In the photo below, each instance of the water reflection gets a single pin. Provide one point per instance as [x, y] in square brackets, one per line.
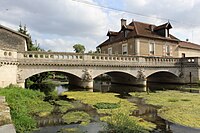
[105, 86]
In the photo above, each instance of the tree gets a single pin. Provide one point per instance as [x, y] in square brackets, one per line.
[30, 45]
[79, 48]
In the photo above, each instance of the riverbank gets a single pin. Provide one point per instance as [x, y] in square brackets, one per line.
[175, 106]
[24, 104]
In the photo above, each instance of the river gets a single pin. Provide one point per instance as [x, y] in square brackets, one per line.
[145, 111]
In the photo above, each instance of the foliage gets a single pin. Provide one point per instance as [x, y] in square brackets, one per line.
[123, 123]
[104, 105]
[23, 103]
[184, 111]
[77, 116]
[31, 46]
[79, 48]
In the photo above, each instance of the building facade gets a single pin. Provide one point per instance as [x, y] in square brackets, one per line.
[142, 39]
[10, 39]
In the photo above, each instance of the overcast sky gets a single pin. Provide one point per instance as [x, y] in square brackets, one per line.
[59, 24]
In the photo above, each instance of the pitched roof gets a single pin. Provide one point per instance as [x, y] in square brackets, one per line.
[139, 29]
[166, 25]
[13, 31]
[184, 44]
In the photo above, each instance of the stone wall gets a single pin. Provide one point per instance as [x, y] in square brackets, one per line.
[11, 40]
[6, 125]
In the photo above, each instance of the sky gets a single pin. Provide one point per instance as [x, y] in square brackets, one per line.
[57, 25]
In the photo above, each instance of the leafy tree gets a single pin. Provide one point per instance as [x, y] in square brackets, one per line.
[79, 48]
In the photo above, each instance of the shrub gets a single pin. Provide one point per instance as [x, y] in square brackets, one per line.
[103, 105]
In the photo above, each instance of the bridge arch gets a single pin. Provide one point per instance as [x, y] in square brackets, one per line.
[163, 77]
[120, 77]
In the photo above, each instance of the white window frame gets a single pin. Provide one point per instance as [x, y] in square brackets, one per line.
[124, 52]
[110, 51]
[151, 52]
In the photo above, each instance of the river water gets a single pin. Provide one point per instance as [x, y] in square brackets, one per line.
[145, 111]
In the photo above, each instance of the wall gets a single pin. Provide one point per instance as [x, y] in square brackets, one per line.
[159, 47]
[12, 40]
[143, 47]
[188, 52]
[8, 67]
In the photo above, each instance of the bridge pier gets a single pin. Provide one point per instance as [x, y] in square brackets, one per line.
[21, 84]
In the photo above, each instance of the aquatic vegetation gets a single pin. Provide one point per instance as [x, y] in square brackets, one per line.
[184, 110]
[123, 123]
[76, 117]
[64, 105]
[23, 104]
[93, 98]
[104, 105]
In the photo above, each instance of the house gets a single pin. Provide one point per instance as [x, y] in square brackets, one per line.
[188, 49]
[142, 39]
[10, 39]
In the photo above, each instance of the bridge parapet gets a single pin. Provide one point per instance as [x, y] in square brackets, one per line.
[94, 59]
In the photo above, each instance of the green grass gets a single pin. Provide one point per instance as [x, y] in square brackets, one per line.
[23, 104]
[179, 107]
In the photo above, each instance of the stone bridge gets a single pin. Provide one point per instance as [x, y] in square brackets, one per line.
[81, 69]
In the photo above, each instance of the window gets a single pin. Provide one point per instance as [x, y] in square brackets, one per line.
[124, 49]
[151, 48]
[183, 55]
[109, 51]
[167, 50]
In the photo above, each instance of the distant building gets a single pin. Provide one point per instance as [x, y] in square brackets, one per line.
[142, 39]
[10, 39]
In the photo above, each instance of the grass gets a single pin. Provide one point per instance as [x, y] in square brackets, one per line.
[179, 107]
[23, 104]
[94, 98]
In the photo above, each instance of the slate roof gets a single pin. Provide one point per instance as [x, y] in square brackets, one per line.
[184, 44]
[139, 29]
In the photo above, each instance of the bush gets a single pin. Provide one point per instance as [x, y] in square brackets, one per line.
[103, 105]
[123, 123]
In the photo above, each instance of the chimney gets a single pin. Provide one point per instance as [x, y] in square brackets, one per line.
[151, 27]
[123, 22]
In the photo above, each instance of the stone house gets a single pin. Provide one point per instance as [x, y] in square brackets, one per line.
[10, 39]
[142, 39]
